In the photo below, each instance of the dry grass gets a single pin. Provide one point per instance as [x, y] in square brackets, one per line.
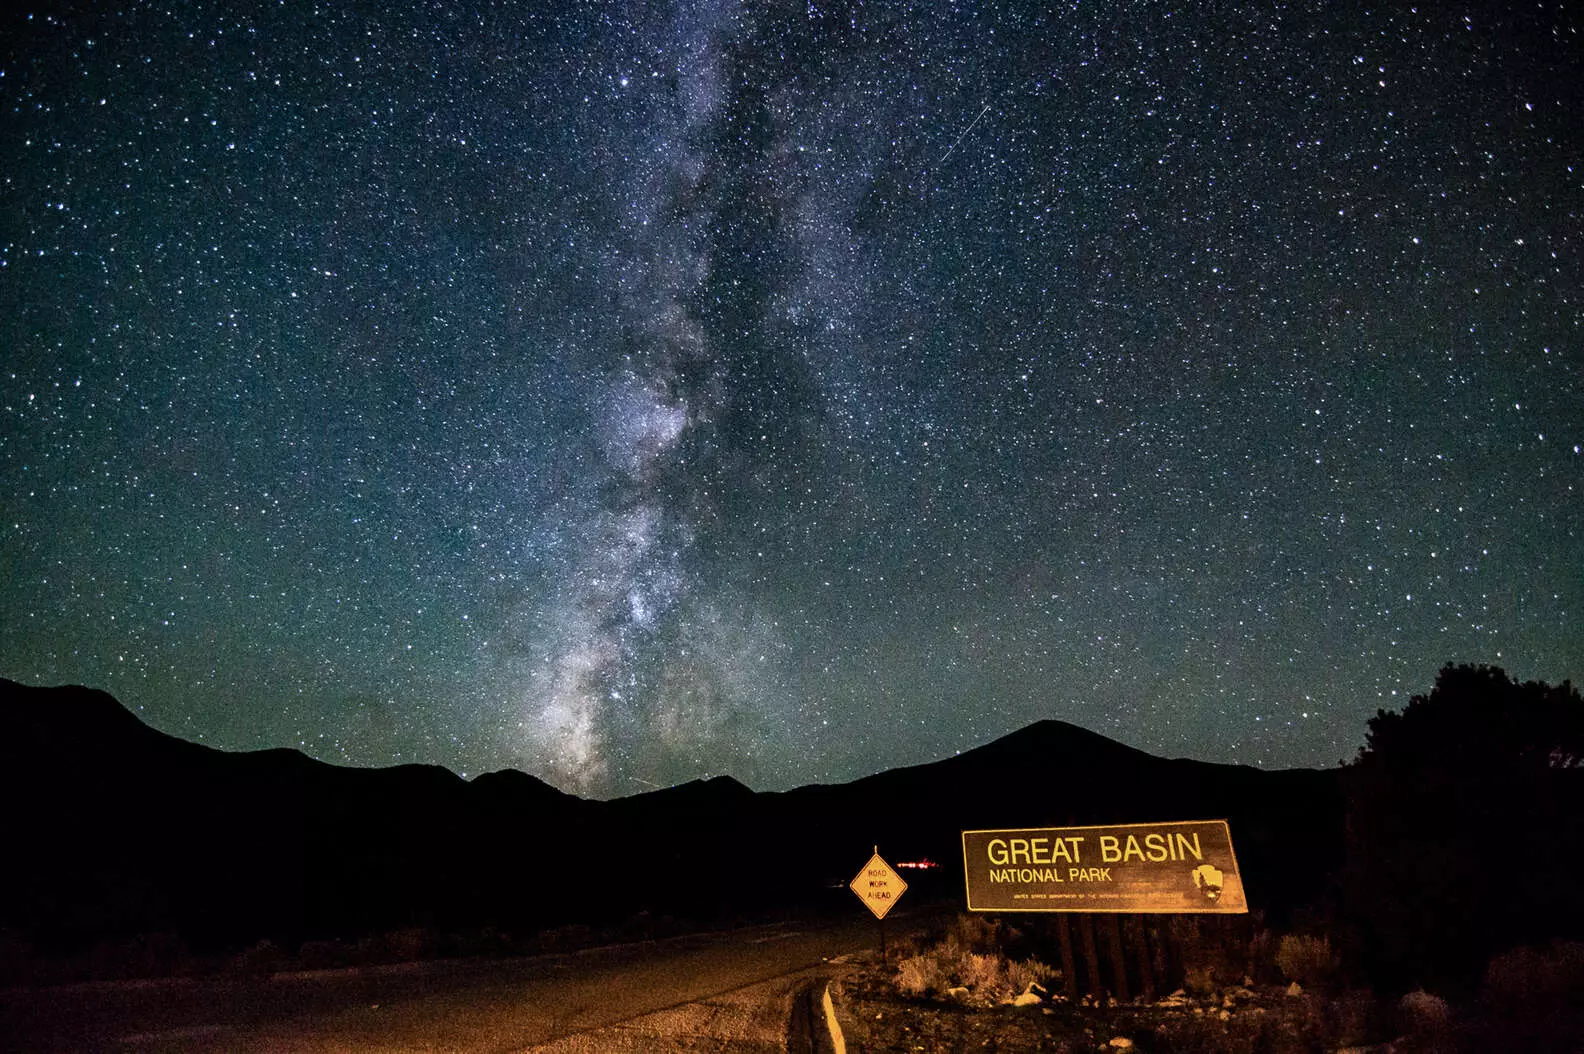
[968, 963]
[1307, 960]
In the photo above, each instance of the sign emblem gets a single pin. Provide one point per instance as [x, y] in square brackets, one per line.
[878, 886]
[1209, 880]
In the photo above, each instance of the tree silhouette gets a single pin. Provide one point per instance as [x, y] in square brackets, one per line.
[1464, 828]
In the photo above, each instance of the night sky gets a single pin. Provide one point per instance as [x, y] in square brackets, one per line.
[628, 393]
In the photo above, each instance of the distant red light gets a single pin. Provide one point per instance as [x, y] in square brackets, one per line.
[918, 865]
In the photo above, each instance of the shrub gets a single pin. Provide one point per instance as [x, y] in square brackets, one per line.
[1199, 980]
[1262, 950]
[983, 974]
[571, 937]
[1481, 752]
[1021, 974]
[1420, 1013]
[1213, 953]
[1536, 997]
[323, 955]
[1532, 999]
[920, 975]
[487, 941]
[969, 956]
[979, 932]
[262, 959]
[1307, 960]
[1353, 1017]
[1530, 979]
[411, 944]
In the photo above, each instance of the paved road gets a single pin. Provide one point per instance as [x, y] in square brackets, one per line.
[720, 992]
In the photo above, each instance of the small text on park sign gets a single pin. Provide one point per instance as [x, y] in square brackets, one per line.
[1159, 868]
[878, 886]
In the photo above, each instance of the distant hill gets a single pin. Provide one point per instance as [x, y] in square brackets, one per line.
[116, 829]
[1286, 825]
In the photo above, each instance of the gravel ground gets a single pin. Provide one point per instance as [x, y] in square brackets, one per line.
[875, 1017]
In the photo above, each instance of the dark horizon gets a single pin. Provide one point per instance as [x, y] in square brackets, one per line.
[1035, 729]
[132, 832]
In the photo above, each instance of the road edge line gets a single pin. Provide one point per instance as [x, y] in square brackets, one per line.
[838, 1042]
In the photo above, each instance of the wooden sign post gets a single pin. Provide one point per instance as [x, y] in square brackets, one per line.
[1140, 869]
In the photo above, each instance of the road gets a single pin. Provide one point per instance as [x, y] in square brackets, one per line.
[721, 992]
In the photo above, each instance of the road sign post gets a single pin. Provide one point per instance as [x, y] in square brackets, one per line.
[879, 887]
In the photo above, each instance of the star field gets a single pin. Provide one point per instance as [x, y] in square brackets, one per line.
[629, 393]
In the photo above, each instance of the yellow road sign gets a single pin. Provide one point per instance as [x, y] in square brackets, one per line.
[878, 886]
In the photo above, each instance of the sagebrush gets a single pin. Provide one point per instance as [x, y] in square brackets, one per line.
[968, 963]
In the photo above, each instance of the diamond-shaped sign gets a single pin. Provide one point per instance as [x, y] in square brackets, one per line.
[878, 886]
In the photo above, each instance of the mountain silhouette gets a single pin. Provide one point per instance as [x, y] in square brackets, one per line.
[118, 830]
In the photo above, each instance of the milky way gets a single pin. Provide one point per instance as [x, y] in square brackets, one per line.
[635, 392]
[593, 705]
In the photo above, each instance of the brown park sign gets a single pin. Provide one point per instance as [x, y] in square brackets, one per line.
[1157, 868]
[878, 886]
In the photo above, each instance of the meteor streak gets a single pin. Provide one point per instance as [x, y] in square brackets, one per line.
[964, 132]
